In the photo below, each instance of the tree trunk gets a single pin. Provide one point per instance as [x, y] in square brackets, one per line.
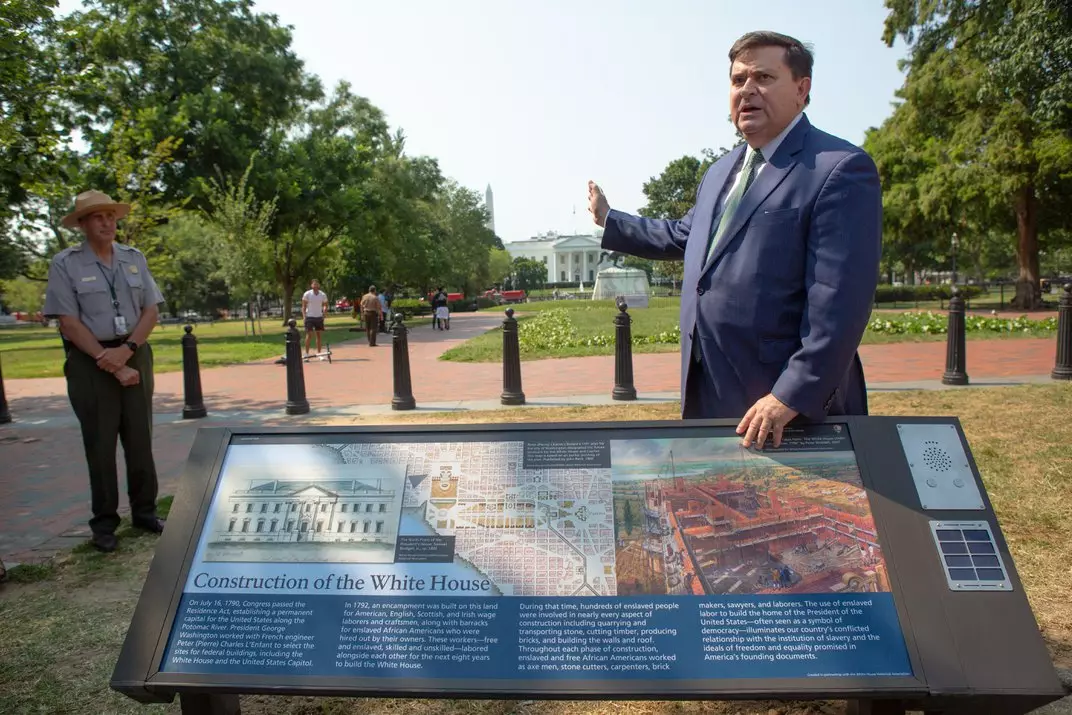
[1028, 290]
[288, 295]
[249, 315]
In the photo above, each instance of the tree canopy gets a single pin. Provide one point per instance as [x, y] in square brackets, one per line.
[980, 142]
[670, 196]
[200, 114]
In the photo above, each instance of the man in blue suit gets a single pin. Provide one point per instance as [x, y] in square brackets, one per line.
[781, 256]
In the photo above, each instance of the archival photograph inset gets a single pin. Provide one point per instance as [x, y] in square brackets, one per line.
[705, 516]
[336, 513]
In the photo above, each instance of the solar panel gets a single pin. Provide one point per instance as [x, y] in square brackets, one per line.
[970, 556]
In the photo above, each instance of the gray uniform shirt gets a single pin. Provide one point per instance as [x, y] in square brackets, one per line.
[78, 286]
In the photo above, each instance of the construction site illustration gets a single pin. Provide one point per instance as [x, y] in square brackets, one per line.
[706, 517]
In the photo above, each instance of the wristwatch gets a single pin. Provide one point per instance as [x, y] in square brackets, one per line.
[132, 345]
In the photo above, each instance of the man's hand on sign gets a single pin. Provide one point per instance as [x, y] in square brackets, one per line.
[768, 416]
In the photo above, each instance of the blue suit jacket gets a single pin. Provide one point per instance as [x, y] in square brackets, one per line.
[783, 302]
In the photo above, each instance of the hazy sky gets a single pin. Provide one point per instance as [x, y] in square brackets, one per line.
[646, 458]
[535, 98]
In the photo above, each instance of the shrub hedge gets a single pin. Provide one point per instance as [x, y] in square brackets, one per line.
[907, 294]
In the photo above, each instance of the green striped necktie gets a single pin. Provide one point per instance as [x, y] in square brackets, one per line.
[751, 168]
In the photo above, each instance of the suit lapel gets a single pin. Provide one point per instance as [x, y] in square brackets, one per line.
[709, 204]
[777, 168]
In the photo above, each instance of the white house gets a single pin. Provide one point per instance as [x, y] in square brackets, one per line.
[302, 510]
[569, 259]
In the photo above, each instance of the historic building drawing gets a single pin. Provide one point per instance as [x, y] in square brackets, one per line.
[343, 505]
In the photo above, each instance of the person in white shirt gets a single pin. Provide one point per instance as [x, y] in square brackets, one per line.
[312, 307]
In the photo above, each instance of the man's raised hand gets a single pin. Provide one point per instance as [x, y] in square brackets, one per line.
[598, 205]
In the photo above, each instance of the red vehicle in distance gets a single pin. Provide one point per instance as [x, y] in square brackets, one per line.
[506, 296]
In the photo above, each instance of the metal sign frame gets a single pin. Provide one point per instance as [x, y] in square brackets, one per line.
[940, 658]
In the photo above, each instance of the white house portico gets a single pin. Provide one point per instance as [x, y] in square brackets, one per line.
[569, 259]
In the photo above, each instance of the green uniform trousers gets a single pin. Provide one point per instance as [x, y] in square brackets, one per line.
[107, 410]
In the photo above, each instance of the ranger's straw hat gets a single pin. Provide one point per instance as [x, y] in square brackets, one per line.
[88, 202]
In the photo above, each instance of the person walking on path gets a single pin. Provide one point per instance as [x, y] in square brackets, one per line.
[370, 313]
[107, 304]
[441, 310]
[382, 297]
[313, 303]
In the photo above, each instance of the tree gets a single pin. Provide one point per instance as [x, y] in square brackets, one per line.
[650, 267]
[671, 194]
[243, 223]
[35, 231]
[628, 518]
[989, 94]
[28, 131]
[397, 238]
[500, 264]
[529, 273]
[322, 173]
[27, 79]
[909, 235]
[467, 241]
[215, 75]
[196, 282]
[136, 170]
[22, 295]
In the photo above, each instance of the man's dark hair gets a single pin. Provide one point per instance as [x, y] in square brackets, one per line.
[797, 56]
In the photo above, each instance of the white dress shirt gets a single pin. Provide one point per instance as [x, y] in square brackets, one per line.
[768, 150]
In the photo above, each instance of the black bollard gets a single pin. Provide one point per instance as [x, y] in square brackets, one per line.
[403, 397]
[955, 373]
[1062, 370]
[296, 402]
[623, 355]
[5, 414]
[194, 405]
[511, 394]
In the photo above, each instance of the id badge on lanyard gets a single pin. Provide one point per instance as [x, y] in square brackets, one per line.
[119, 322]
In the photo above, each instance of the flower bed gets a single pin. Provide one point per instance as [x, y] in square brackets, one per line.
[937, 324]
[554, 329]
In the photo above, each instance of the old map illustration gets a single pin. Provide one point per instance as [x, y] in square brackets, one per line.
[532, 532]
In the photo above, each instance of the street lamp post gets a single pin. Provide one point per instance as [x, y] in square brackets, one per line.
[955, 243]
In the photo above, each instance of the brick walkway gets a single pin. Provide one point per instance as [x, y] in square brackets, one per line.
[360, 375]
[44, 492]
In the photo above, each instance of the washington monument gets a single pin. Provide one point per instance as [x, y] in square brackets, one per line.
[491, 209]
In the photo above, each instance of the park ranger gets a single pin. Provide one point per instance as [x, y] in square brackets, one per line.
[106, 302]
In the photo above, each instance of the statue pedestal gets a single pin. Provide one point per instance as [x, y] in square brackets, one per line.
[625, 282]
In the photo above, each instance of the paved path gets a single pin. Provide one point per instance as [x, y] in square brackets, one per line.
[44, 491]
[360, 375]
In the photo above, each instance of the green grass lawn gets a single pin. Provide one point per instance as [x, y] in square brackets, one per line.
[595, 319]
[37, 352]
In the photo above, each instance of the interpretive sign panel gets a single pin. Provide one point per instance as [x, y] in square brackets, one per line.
[577, 557]
[641, 559]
